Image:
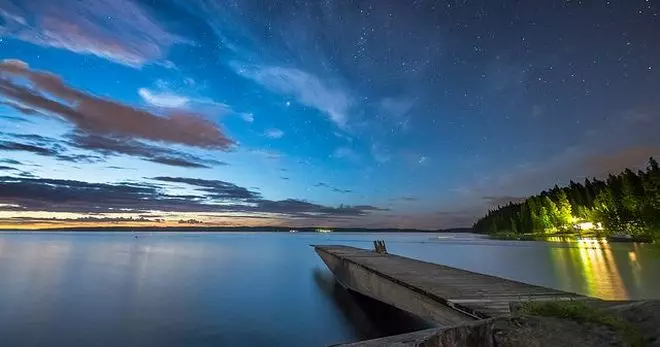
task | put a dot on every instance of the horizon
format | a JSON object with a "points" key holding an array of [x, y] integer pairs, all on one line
{"points": [[377, 114]]}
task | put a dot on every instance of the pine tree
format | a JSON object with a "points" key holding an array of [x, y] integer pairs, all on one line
{"points": [[514, 228], [552, 211], [589, 193], [565, 216], [544, 219], [606, 211]]}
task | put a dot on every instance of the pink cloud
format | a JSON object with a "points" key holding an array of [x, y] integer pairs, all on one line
{"points": [[117, 30], [92, 114]]}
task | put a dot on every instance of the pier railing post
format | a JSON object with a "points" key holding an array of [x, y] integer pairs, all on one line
{"points": [[379, 247]]}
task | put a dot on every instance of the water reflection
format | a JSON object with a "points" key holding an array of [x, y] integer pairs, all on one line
{"points": [[589, 264], [230, 289]]}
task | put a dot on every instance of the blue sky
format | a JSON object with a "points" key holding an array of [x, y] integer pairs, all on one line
{"points": [[342, 113]]}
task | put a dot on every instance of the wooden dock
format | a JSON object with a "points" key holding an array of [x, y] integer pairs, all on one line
{"points": [[438, 293]]}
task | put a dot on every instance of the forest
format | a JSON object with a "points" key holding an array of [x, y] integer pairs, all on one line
{"points": [[622, 205]]}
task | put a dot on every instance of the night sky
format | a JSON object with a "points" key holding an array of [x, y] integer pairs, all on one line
{"points": [[323, 113]]}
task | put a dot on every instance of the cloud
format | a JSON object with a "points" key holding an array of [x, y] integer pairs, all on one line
{"points": [[43, 146], [308, 89], [163, 99], [104, 146], [181, 162], [334, 189], [300, 208], [248, 117], [117, 30], [274, 133], [87, 219], [214, 188], [8, 168], [11, 162], [91, 114], [14, 118], [15, 146], [20, 108], [345, 153], [52, 195], [109, 146]]}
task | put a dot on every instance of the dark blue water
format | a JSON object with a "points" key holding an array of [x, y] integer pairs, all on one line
{"points": [[257, 289]]}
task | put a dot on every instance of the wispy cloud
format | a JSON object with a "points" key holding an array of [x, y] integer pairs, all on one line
{"points": [[214, 188], [163, 99], [117, 30], [185, 97], [43, 146], [346, 153], [248, 117], [109, 146], [308, 89], [274, 133], [334, 189]]}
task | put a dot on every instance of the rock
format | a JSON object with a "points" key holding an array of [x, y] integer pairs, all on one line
{"points": [[641, 317], [531, 331]]}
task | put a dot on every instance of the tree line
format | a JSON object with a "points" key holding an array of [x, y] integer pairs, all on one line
{"points": [[627, 203]]}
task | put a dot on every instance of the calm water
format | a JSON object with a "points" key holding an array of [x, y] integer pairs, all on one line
{"points": [[248, 289]]}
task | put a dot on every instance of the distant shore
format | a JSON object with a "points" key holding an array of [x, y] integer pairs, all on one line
{"points": [[241, 229]]}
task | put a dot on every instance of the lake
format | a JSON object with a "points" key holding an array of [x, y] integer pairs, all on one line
{"points": [[259, 289]]}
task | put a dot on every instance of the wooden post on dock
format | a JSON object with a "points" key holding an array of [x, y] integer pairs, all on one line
{"points": [[379, 247]]}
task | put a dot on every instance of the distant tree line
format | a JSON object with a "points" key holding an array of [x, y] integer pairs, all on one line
{"points": [[627, 203]]}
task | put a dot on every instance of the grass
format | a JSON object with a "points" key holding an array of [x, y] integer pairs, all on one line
{"points": [[581, 312]]}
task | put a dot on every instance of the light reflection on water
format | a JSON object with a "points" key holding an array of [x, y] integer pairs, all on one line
{"points": [[594, 260], [270, 289]]}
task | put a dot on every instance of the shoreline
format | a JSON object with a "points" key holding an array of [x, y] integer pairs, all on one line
{"points": [[569, 235], [239, 229]]}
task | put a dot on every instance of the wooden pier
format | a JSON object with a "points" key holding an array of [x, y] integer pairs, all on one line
{"points": [[440, 294]]}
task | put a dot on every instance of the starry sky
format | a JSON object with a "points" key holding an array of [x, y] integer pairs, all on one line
{"points": [[418, 114]]}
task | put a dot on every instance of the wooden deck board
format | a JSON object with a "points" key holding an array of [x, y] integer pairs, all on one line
{"points": [[485, 295]]}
